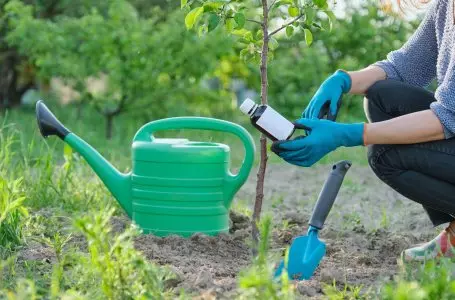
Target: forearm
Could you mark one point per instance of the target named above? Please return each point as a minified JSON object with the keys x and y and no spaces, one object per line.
{"x":361,"y":80}
{"x":413,"y":128}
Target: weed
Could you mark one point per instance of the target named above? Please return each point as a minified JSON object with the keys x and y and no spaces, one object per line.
{"x":276,"y":202}
{"x":349,"y":292}
{"x":384,"y":219}
{"x":123,"y":272}
{"x":431,"y":280}
{"x":241,"y":206}
{"x":12,"y":214}
{"x":351,"y":220}
{"x":257,"y":282}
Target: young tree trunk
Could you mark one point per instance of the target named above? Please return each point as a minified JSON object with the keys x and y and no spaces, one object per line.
{"x":10,"y":93}
{"x":263,"y":140}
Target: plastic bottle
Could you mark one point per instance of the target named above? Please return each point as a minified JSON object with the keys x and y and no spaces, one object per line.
{"x":268,"y":121}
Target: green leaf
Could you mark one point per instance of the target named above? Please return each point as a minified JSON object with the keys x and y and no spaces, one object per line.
{"x":308,"y":36}
{"x":273,"y":44}
{"x":321,"y":3}
{"x":293,"y":11}
{"x":316,"y":25}
{"x":67,"y":152}
{"x":309,"y":15}
{"x":289,"y":31}
{"x":229,"y":26}
{"x":193,"y":16}
{"x":249,"y":36}
{"x":282,"y":2}
{"x":212,"y":6}
{"x":202,"y":30}
{"x":332,"y":18}
{"x":241,"y":32}
{"x":259,"y":34}
{"x":214,"y":20}
{"x":240,"y":20}
{"x":183,"y":3}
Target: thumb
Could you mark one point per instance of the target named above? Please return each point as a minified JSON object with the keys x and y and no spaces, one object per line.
{"x":335,"y":105}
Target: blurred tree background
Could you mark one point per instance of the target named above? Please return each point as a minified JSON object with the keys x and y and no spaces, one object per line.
{"x":136,"y":58}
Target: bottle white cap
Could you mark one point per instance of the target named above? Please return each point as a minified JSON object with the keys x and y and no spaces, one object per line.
{"x":247,"y":106}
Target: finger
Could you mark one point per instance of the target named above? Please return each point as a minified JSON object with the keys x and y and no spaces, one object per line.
{"x":307,"y":112}
{"x":334,"y":107}
{"x":324,"y":111}
{"x":305,"y":123}
{"x":297,"y":163}
{"x":292,"y":145}
{"x":317,"y":109}
{"x":301,"y":154}
{"x":275,"y":148}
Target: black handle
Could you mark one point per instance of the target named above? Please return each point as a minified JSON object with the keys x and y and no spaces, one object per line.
{"x":329,"y":193}
{"x":48,"y":124}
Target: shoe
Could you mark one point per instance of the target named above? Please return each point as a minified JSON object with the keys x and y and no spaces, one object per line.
{"x":441,"y":246}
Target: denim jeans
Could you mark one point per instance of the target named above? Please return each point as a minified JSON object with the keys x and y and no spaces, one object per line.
{"x":423,"y":172}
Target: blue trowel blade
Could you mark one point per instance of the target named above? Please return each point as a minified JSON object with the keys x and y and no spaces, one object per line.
{"x":305,"y":254}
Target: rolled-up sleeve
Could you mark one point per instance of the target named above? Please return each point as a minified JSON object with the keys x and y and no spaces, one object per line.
{"x":415,"y":62}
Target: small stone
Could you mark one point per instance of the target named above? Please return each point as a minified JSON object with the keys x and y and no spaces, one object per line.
{"x":328,"y":275}
{"x":238,"y":218}
{"x":305,"y":290}
{"x":295,"y":218}
{"x":204,"y":279}
{"x":241,"y":234}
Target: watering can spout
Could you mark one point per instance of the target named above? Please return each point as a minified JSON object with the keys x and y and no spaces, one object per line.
{"x":119,"y":184}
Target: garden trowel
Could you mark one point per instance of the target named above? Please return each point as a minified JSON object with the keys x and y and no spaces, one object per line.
{"x":306,"y":252}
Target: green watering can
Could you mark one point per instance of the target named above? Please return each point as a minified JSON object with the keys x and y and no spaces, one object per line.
{"x":176,"y":186}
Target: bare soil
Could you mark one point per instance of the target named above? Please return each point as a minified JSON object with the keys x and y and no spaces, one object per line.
{"x":368,"y":227}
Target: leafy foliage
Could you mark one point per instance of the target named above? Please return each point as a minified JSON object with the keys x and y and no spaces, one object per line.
{"x":234,"y":16}
{"x":141,"y":59}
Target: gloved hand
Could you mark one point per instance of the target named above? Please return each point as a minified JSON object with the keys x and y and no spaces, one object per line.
{"x":323,"y":137}
{"x":328,"y":96}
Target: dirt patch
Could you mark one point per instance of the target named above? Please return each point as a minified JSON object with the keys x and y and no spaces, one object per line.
{"x":35,"y":251}
{"x":203,"y":263}
{"x":366,"y":230}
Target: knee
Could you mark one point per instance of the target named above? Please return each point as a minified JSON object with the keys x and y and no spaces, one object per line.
{"x":377,"y":89}
{"x":374,"y":100}
{"x":382,"y":161}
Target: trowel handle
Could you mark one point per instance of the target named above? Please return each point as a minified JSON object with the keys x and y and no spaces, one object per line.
{"x":329,"y":193}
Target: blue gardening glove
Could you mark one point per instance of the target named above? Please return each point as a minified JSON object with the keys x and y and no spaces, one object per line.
{"x":327,"y":99}
{"x":323,"y":137}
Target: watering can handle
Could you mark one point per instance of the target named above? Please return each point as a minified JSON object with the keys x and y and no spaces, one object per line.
{"x":234,"y":182}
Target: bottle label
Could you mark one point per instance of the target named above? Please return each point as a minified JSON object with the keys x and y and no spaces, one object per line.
{"x":275,"y":124}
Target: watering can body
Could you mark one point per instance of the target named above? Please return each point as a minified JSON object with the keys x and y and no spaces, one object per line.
{"x":176,"y":186}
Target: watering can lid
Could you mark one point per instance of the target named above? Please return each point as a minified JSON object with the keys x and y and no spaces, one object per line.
{"x":180,"y":151}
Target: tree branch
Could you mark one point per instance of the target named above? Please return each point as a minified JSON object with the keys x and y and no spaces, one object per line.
{"x":271,"y":5}
{"x":254,"y":21}
{"x":286,"y":25}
